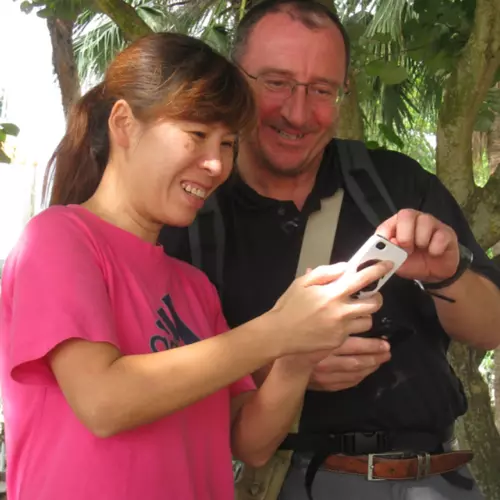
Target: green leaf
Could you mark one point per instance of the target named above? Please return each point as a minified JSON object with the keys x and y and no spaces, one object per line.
{"x":381,"y":37}
{"x":217,"y":38}
{"x":372,"y":145}
{"x":10,"y":129}
{"x":439,"y":62}
{"x":45,"y":13}
{"x":3,"y":136}
{"x":497,"y":76}
{"x":355,"y":31}
{"x":389,"y":72}
{"x":26,"y":7}
{"x":374,"y":68}
{"x":66,"y":11}
{"x":3,"y":157}
{"x":412,"y":27}
{"x":390,"y":135}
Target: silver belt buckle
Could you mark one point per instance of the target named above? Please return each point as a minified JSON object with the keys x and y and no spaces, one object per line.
{"x":423,"y":463}
{"x":371,"y":464}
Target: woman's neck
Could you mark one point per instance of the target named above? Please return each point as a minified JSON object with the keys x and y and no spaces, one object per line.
{"x":110,"y":204}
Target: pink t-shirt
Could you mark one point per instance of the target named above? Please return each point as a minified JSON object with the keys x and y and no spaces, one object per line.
{"x":73,"y":275}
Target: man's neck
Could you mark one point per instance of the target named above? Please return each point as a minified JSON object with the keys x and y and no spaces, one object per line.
{"x":278,"y":187}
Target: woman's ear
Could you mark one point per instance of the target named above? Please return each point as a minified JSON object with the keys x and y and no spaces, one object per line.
{"x":122,"y":124}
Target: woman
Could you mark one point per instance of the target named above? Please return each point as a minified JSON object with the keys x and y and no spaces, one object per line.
{"x":118,"y":380}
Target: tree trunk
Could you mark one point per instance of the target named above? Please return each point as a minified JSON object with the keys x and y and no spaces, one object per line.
{"x":465,"y":90}
{"x":477,"y":428}
{"x":125,"y":17}
{"x":496,"y":385}
{"x":350,"y":125}
{"x":496,"y":258}
{"x":63,"y":60}
{"x":493,"y":143}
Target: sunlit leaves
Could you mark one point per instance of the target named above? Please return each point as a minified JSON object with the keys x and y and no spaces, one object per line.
{"x":6,"y":129}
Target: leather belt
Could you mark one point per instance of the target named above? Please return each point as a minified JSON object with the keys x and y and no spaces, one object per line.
{"x":382,"y":455}
{"x":393,"y":465}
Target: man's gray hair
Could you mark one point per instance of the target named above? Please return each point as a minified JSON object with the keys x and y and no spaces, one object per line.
{"x":311,"y":13}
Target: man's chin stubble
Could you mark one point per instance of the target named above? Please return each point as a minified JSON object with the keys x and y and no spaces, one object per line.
{"x":288,"y":173}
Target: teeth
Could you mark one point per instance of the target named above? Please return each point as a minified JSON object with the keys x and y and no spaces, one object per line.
{"x":195,"y":191}
{"x":289,"y":136}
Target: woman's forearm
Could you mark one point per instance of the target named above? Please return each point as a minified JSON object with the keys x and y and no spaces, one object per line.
{"x":266,"y":418}
{"x":116,"y":393}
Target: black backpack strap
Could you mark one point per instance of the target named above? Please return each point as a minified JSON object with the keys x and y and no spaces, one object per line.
{"x":361,"y":180}
{"x":207,"y":242}
{"x":363,"y":183}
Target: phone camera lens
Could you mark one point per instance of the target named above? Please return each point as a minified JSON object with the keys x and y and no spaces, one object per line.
{"x":380,"y":245}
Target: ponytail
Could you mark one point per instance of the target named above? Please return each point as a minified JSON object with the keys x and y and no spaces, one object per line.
{"x":77,"y":165}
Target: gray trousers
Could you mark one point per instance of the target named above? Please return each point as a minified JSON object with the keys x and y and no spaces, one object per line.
{"x":329,"y":485}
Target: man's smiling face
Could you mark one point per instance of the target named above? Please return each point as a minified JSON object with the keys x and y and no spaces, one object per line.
{"x":292,"y":132}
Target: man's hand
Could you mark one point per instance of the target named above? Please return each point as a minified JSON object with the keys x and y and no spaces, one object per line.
{"x":349,"y":364}
{"x":432,"y":246}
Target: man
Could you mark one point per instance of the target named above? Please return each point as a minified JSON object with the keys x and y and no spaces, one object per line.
{"x":371,"y":395}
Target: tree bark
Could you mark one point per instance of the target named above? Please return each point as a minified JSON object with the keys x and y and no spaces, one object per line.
{"x":125,"y":16}
{"x":465,"y":90}
{"x":477,"y":428}
{"x":493,"y":142}
{"x":350,"y":124}
{"x":496,"y":385}
{"x":63,"y":60}
{"x":493,"y":145}
{"x":496,"y":260}
{"x":483,"y":212}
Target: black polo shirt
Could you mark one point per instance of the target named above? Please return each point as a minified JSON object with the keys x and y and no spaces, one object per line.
{"x":416,"y":389}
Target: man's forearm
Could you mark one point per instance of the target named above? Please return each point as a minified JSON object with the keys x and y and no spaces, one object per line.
{"x":267,"y":416}
{"x":474,"y":318}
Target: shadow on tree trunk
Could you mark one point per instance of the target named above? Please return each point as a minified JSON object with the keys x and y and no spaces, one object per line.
{"x":477,"y":428}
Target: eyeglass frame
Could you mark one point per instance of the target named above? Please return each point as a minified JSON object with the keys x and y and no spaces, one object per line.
{"x":342,"y":91}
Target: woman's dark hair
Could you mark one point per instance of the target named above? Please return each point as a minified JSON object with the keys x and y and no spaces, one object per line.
{"x":160,"y":76}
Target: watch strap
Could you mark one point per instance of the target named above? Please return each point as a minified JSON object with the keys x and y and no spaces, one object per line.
{"x":464,"y":263}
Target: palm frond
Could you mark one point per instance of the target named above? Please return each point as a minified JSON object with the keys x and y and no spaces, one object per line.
{"x":389,"y":16}
{"x":95,"y":42}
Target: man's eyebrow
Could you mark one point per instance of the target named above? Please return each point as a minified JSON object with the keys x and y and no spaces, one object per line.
{"x":284,"y":72}
{"x":278,"y":71}
{"x":329,"y":81}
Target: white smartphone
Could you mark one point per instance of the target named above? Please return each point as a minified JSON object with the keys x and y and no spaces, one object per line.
{"x":376,"y":249}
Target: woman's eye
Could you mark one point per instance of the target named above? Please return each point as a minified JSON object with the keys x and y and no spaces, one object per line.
{"x":201,"y":135}
{"x":228,"y":144}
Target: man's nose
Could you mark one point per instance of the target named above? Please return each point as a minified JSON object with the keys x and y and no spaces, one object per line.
{"x":295,"y":109}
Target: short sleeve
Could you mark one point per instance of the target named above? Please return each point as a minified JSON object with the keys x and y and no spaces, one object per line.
{"x":245,"y":384}
{"x":53,"y":289}
{"x":439,"y":202}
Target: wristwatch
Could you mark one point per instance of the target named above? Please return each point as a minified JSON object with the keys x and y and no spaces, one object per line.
{"x":464,"y":263}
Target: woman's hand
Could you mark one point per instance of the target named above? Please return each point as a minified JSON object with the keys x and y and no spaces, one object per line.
{"x":316,"y":314}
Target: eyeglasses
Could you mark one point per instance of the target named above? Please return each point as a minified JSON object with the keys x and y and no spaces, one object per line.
{"x":283,"y":88}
